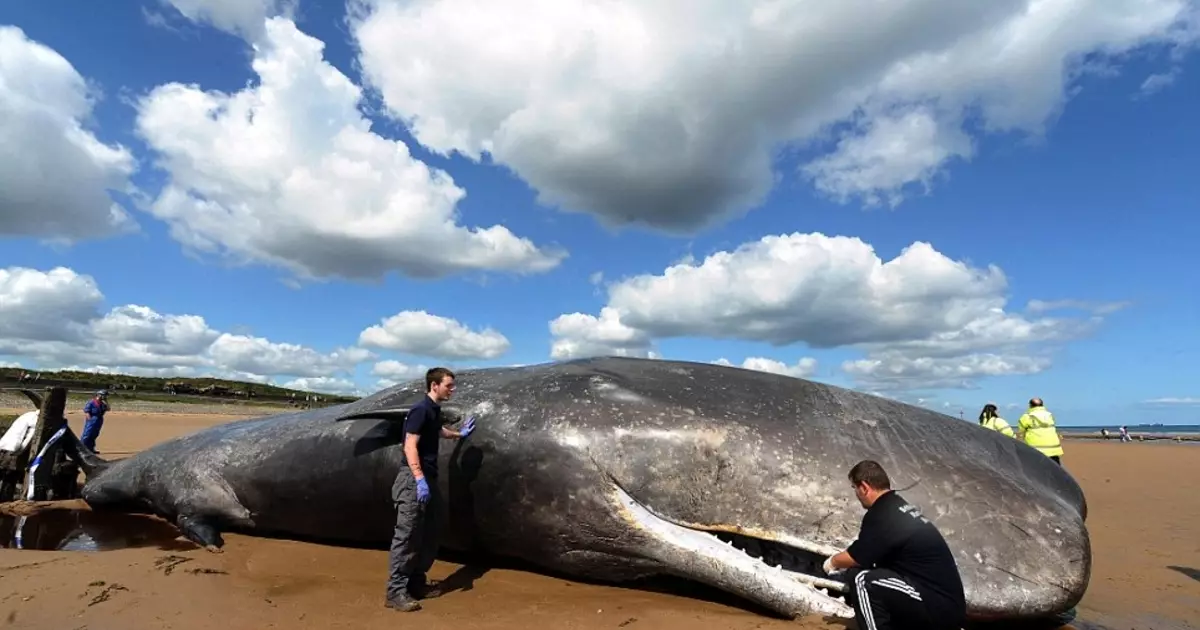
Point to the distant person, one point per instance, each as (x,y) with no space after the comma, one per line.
(989,418)
(900,572)
(1125,434)
(416,496)
(1037,428)
(93,421)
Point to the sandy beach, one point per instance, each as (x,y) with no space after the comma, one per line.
(1143,515)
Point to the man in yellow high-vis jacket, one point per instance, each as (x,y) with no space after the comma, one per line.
(1037,428)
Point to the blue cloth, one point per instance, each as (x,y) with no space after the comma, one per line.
(95,411)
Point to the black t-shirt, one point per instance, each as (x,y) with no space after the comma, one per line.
(896,536)
(425,420)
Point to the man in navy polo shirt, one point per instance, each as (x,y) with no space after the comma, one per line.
(416,496)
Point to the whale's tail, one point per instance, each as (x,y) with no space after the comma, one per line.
(91,463)
(88,461)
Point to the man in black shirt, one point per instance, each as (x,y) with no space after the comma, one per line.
(415,494)
(900,573)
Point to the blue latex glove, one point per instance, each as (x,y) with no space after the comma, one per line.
(422,490)
(468,427)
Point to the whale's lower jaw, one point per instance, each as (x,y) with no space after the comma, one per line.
(781,578)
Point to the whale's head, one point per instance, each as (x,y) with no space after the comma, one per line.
(739,479)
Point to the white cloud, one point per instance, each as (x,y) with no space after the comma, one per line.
(922,318)
(239,17)
(802,369)
(53,319)
(892,151)
(289,173)
(893,370)
(670,114)
(257,355)
(1098,308)
(397,371)
(1159,81)
(418,332)
(580,335)
(392,372)
(55,174)
(55,305)
(1174,401)
(325,385)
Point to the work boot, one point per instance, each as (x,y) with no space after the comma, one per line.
(403,603)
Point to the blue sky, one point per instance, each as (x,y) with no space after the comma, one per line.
(603,150)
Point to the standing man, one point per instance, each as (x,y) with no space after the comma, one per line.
(416,496)
(900,572)
(1037,428)
(93,412)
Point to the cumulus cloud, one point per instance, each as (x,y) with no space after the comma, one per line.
(670,115)
(802,369)
(325,385)
(392,372)
(244,18)
(922,318)
(288,172)
(54,318)
(421,333)
(889,152)
(55,174)
(898,371)
(580,335)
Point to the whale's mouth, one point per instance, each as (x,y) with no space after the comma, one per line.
(782,577)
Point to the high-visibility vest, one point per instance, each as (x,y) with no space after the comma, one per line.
(1038,426)
(996,423)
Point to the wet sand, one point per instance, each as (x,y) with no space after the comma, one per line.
(1143,515)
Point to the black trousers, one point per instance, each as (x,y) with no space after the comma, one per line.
(415,536)
(883,600)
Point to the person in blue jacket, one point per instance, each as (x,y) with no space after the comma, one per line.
(93,413)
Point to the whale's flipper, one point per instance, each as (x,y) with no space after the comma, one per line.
(207,506)
(200,530)
(37,400)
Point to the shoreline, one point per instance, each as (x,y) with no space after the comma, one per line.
(1137,436)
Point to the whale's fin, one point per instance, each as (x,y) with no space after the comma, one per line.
(396,414)
(37,400)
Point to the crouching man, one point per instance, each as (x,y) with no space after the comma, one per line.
(899,573)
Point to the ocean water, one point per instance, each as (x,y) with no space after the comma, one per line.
(1134,428)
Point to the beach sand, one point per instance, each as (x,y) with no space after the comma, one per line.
(1143,522)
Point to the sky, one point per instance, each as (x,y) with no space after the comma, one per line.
(927,200)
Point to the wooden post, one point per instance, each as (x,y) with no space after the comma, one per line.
(51,418)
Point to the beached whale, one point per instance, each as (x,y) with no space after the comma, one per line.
(617,468)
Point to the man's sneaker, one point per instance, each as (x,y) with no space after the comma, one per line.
(403,603)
